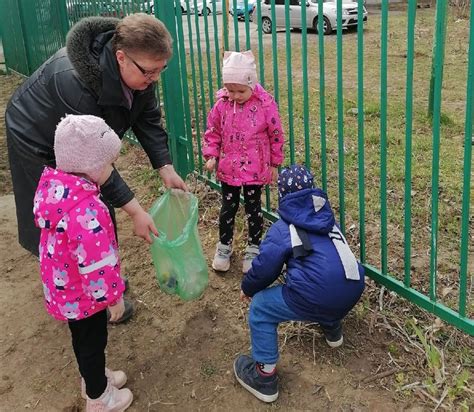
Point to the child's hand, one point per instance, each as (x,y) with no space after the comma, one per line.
(244,297)
(274,174)
(143,224)
(211,164)
(116,311)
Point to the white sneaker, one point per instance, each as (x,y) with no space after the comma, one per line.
(112,400)
(251,252)
(116,378)
(221,261)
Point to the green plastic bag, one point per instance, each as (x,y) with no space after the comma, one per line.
(177,253)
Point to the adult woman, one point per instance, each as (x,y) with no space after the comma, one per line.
(108,69)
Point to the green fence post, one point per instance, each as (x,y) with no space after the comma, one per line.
(439,41)
(173,94)
(441,7)
(465,242)
(64,18)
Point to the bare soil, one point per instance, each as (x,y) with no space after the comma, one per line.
(178,355)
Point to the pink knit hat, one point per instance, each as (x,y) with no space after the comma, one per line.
(239,68)
(85,144)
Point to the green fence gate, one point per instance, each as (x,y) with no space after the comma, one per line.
(363,110)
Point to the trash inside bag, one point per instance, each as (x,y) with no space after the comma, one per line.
(180,265)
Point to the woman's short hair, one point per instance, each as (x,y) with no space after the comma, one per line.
(143,33)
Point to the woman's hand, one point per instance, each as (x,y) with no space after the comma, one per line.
(116,311)
(171,179)
(211,164)
(142,226)
(142,222)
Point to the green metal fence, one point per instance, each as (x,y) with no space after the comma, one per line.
(355,112)
(31,31)
(344,134)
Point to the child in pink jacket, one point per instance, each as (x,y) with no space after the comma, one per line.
(78,251)
(244,141)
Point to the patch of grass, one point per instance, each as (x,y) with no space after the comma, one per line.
(207,369)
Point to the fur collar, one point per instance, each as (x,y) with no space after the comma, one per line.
(83,52)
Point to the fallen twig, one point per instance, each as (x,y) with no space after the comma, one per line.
(314,349)
(411,386)
(382,291)
(445,393)
(161,403)
(380,375)
(64,367)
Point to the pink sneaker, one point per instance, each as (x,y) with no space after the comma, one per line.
(112,400)
(116,378)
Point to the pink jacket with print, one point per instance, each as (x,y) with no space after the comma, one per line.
(79,262)
(246,139)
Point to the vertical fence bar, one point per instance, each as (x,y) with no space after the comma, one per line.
(62,9)
(322,101)
(173,94)
(289,81)
(261,64)
(340,117)
(467,172)
(247,24)
(360,125)
(208,54)
(261,57)
(440,36)
(304,68)
(197,127)
(201,74)
(274,53)
(185,90)
(383,137)
(236,25)
(225,23)
(216,44)
(408,139)
(438,81)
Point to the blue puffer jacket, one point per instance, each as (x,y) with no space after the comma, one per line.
(316,286)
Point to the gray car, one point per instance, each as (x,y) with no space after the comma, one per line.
(349,14)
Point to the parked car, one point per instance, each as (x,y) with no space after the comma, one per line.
(349,14)
(209,7)
(184,8)
(240,9)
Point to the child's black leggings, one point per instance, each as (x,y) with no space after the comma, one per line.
(253,210)
(89,339)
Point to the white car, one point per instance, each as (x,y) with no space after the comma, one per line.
(349,14)
(209,7)
(184,8)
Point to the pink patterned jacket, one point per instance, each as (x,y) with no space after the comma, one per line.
(246,139)
(79,262)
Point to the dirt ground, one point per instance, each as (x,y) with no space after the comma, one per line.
(178,355)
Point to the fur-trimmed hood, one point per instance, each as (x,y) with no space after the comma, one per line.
(84,44)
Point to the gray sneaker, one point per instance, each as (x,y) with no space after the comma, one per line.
(251,252)
(264,388)
(221,261)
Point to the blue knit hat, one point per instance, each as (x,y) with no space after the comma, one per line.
(294,178)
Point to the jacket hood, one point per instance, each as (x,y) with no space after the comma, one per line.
(258,92)
(308,209)
(84,44)
(57,193)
